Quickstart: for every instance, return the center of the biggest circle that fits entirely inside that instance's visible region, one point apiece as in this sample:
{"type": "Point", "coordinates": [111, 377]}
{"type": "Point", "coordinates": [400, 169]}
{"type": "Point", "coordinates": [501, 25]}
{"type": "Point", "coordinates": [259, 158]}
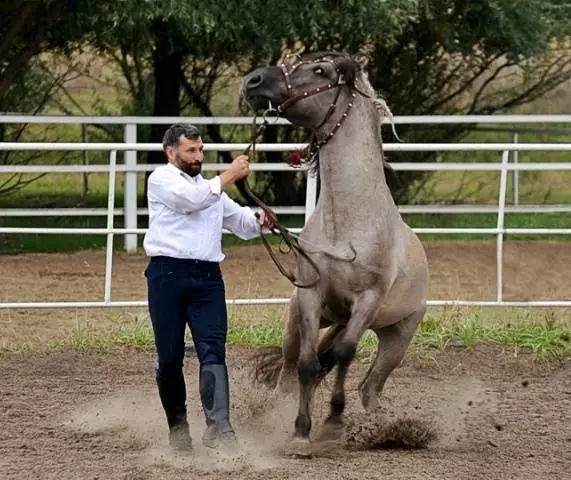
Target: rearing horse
{"type": "Point", "coordinates": [384, 287]}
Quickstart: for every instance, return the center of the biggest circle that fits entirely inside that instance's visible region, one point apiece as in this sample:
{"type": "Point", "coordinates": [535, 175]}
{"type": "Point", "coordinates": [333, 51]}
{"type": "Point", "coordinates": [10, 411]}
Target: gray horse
{"type": "Point", "coordinates": [372, 268]}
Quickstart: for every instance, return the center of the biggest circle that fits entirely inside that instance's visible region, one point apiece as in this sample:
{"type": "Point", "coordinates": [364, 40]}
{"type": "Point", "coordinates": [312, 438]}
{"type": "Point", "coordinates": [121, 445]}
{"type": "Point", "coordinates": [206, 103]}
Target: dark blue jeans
{"type": "Point", "coordinates": [186, 292]}
{"type": "Point", "coordinates": [181, 293]}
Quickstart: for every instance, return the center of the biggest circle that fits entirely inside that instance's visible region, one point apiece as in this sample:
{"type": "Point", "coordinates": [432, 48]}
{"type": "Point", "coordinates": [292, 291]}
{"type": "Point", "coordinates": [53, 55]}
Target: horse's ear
{"type": "Point", "coordinates": [347, 67]}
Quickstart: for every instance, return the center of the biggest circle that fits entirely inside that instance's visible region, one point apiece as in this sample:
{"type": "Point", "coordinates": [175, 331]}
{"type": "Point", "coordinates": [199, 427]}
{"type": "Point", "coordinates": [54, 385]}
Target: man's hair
{"type": "Point", "coordinates": [174, 132]}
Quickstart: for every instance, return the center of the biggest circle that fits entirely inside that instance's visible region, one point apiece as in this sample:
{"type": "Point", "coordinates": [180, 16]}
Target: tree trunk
{"type": "Point", "coordinates": [167, 64]}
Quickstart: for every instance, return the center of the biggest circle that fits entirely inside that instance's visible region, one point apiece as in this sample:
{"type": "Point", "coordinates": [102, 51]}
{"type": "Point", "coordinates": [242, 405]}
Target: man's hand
{"type": "Point", "coordinates": [239, 168]}
{"type": "Point", "coordinates": [264, 220]}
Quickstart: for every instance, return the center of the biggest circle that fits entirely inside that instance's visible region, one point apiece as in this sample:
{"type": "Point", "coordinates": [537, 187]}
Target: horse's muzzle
{"type": "Point", "coordinates": [261, 85]}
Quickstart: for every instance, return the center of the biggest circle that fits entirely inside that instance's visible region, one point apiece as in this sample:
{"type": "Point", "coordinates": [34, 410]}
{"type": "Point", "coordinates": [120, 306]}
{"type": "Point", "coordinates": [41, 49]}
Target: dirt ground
{"type": "Point", "coordinates": [532, 270]}
{"type": "Point", "coordinates": [90, 416]}
{"type": "Point", "coordinates": [458, 270]}
{"type": "Point", "coordinates": [97, 416]}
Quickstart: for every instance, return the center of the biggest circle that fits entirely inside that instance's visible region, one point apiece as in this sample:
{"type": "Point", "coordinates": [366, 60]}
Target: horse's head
{"type": "Point", "coordinates": [303, 88]}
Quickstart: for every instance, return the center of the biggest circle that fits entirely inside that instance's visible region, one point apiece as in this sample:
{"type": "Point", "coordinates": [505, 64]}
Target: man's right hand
{"type": "Point", "coordinates": [239, 168]}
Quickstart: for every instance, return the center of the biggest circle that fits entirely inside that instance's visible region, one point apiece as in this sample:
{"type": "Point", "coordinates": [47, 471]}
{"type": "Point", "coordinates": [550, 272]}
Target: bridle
{"type": "Point", "coordinates": [315, 145]}
{"type": "Point", "coordinates": [310, 152]}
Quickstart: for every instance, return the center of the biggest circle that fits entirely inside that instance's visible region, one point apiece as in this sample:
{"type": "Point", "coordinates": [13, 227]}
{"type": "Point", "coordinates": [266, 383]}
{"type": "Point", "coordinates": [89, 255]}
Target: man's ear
{"type": "Point", "coordinates": [170, 152]}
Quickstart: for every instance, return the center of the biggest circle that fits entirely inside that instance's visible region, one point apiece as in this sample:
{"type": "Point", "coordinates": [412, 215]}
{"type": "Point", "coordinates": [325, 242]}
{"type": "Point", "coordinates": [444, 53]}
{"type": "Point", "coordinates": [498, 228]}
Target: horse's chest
{"type": "Point", "coordinates": [344, 283]}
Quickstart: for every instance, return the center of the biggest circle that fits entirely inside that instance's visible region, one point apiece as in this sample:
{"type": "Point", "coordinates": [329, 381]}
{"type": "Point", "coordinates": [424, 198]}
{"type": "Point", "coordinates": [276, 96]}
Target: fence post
{"type": "Point", "coordinates": [310, 194]}
{"type": "Point", "coordinates": [130, 200]}
{"type": "Point", "coordinates": [500, 225]}
{"type": "Point", "coordinates": [85, 139]}
{"type": "Point", "coordinates": [110, 225]}
{"type": "Point", "coordinates": [516, 172]}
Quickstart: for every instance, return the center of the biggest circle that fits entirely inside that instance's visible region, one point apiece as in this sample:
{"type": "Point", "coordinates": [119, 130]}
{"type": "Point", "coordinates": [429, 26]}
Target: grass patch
{"type": "Point", "coordinates": [547, 337]}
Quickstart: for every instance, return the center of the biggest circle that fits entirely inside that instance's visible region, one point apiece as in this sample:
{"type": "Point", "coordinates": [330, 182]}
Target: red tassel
{"type": "Point", "coordinates": [294, 158]}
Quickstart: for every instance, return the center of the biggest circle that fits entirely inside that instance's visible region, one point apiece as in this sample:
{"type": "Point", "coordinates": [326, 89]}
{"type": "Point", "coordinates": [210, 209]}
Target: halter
{"type": "Point", "coordinates": [310, 152]}
{"type": "Point", "coordinates": [315, 145]}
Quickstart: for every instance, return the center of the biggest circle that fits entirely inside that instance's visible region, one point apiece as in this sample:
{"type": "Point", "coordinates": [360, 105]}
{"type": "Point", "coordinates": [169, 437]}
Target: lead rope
{"type": "Point", "coordinates": [277, 228]}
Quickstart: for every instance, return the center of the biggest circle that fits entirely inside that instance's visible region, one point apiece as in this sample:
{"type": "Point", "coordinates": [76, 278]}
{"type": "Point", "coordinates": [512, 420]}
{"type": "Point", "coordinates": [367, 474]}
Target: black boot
{"type": "Point", "coordinates": [214, 393]}
{"type": "Point", "coordinates": [172, 392]}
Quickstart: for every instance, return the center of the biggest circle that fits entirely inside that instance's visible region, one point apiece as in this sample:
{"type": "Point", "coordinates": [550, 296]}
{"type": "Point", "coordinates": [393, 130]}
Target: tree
{"type": "Point", "coordinates": [427, 56]}
{"type": "Point", "coordinates": [195, 48]}
{"type": "Point", "coordinates": [28, 82]}
{"type": "Point", "coordinates": [468, 57]}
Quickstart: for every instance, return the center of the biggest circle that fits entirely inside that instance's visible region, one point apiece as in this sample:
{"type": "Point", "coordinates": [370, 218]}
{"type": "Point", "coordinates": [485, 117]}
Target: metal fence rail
{"type": "Point", "coordinates": [130, 169]}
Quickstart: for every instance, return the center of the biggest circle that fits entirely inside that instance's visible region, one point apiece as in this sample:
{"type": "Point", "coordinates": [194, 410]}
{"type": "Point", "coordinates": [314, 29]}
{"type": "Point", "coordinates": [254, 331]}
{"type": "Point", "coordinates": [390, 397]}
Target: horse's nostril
{"type": "Point", "coordinates": [254, 81]}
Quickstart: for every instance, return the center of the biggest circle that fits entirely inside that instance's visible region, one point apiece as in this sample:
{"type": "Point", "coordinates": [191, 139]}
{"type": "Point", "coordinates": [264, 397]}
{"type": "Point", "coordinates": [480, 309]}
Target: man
{"type": "Point", "coordinates": [185, 286]}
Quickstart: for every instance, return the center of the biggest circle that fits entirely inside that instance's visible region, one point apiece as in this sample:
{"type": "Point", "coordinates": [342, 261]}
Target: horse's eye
{"type": "Point", "coordinates": [318, 71]}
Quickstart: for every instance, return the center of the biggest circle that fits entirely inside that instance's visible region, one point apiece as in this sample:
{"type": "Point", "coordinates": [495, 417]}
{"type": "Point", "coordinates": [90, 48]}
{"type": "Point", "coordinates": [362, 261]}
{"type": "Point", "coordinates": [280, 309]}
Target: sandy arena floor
{"type": "Point", "coordinates": [532, 270]}
{"type": "Point", "coordinates": [70, 415]}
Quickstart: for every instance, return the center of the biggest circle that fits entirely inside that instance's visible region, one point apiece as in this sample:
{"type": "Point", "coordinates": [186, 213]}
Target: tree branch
{"type": "Point", "coordinates": [213, 130]}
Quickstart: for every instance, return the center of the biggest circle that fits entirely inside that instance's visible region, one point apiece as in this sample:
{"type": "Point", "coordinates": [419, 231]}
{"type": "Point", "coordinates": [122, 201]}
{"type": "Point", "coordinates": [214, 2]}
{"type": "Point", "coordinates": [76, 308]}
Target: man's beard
{"type": "Point", "coordinates": [191, 169]}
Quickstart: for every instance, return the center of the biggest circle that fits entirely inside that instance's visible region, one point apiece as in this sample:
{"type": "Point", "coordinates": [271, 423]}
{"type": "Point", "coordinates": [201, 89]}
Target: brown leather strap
{"type": "Point", "coordinates": [296, 98]}
{"type": "Point", "coordinates": [277, 228]}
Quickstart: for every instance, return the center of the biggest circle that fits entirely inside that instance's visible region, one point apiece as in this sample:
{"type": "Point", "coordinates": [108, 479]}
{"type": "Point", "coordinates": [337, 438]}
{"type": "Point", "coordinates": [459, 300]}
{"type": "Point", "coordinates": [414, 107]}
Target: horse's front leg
{"type": "Point", "coordinates": [362, 315]}
{"type": "Point", "coordinates": [308, 367]}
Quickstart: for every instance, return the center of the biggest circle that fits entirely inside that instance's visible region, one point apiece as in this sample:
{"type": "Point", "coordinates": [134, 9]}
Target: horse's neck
{"type": "Point", "coordinates": [353, 183]}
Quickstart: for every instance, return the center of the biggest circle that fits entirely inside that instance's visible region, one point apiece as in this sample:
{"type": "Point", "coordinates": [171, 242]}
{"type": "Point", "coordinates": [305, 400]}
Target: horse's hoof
{"type": "Point", "coordinates": [299, 448]}
{"type": "Point", "coordinates": [370, 401]}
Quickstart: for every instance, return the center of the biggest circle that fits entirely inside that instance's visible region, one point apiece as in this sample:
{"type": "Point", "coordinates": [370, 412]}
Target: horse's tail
{"type": "Point", "coordinates": [268, 361]}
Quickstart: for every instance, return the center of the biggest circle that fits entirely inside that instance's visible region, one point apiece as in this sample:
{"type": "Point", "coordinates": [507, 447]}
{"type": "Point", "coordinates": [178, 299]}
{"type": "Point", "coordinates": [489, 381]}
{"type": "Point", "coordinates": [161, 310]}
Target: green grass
{"type": "Point", "coordinates": [546, 338]}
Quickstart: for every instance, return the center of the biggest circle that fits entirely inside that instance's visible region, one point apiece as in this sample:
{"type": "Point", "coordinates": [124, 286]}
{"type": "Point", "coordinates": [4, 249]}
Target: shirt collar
{"type": "Point", "coordinates": [177, 170]}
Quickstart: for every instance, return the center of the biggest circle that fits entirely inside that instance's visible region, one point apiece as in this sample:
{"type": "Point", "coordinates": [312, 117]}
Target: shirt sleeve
{"type": "Point", "coordinates": [180, 195]}
{"type": "Point", "coordinates": [241, 221]}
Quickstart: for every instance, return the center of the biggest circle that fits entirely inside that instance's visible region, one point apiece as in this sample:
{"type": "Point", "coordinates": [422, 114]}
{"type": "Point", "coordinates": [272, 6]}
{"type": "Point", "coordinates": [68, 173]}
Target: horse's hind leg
{"type": "Point", "coordinates": [287, 379]}
{"type": "Point", "coordinates": [393, 343]}
{"type": "Point", "coordinates": [308, 368]}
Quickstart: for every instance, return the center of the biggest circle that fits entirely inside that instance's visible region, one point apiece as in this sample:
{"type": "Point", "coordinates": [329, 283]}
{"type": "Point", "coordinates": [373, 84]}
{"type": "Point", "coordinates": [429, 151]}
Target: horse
{"type": "Point", "coordinates": [372, 270]}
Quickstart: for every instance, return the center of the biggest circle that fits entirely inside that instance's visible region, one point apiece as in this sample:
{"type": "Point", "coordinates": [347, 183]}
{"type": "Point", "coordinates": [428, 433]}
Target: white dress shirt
{"type": "Point", "coordinates": [187, 215]}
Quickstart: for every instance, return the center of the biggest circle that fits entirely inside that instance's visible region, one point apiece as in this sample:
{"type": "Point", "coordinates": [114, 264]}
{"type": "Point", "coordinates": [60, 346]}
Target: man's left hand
{"type": "Point", "coordinates": [264, 220]}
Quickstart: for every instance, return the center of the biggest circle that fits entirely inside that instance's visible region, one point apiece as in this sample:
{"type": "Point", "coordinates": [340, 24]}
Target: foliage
{"type": "Point", "coordinates": [427, 56]}
{"type": "Point", "coordinates": [468, 57]}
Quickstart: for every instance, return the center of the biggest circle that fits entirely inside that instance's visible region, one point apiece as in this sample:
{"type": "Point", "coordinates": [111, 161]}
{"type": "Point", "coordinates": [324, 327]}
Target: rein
{"type": "Point", "coordinates": [278, 228]}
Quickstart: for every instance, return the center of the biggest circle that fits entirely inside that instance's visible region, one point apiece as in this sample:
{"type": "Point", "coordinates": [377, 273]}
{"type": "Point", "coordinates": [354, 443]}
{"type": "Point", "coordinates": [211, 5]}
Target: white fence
{"type": "Point", "coordinates": [130, 168]}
